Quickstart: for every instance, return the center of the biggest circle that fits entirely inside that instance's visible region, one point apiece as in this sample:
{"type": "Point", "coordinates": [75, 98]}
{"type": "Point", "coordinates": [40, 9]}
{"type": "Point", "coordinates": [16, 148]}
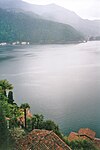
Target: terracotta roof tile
{"type": "Point", "coordinates": [42, 140]}
{"type": "Point", "coordinates": [88, 132]}
{"type": "Point", "coordinates": [83, 134]}
{"type": "Point", "coordinates": [73, 136]}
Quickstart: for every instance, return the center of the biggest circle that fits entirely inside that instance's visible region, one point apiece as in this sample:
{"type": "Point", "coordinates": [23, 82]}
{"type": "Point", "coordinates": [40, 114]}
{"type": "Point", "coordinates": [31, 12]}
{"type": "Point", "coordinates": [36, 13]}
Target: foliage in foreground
{"type": "Point", "coordinates": [10, 133]}
{"type": "Point", "coordinates": [80, 144]}
{"type": "Point", "coordinates": [11, 114]}
{"type": "Point", "coordinates": [3, 130]}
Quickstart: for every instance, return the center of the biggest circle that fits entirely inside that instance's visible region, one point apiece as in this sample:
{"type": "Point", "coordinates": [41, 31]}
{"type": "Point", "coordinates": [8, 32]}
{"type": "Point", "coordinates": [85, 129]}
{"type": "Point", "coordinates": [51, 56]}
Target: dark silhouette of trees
{"type": "Point", "coordinates": [10, 97]}
{"type": "Point", "coordinates": [3, 130]}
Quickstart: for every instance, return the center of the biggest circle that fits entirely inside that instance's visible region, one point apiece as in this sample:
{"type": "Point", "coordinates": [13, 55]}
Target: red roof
{"type": "Point", "coordinates": [42, 140]}
{"type": "Point", "coordinates": [87, 132]}
{"type": "Point", "coordinates": [83, 133]}
{"type": "Point", "coordinates": [73, 136]}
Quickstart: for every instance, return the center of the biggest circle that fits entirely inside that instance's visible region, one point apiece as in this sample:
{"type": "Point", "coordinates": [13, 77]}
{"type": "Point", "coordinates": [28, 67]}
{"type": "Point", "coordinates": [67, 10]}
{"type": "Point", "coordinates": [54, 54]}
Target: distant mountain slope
{"type": "Point", "coordinates": [15, 26]}
{"type": "Point", "coordinates": [57, 14]}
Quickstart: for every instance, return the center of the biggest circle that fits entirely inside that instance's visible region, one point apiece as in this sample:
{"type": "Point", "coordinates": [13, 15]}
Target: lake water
{"type": "Point", "coordinates": [62, 82]}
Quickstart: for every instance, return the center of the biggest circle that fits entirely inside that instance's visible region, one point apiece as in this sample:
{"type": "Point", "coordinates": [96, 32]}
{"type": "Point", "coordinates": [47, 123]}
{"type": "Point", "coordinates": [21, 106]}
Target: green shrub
{"type": "Point", "coordinates": [82, 145]}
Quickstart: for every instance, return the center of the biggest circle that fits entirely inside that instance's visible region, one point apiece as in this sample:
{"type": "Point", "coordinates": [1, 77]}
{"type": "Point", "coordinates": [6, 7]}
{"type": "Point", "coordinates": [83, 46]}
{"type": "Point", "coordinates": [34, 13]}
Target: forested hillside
{"type": "Point", "coordinates": [16, 26]}
{"type": "Point", "coordinates": [55, 13]}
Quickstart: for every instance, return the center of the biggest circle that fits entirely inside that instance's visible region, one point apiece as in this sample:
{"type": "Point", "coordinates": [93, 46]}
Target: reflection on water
{"type": "Point", "coordinates": [60, 81]}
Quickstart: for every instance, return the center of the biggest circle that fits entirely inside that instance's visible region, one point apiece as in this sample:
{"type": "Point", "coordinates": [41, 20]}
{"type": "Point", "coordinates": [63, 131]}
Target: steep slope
{"type": "Point", "coordinates": [62, 15]}
{"type": "Point", "coordinates": [15, 26]}
{"type": "Point", "coordinates": [56, 13]}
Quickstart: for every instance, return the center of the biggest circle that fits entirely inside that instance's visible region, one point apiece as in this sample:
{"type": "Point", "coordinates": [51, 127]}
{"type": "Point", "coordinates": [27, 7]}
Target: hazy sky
{"type": "Point", "coordinates": [89, 9]}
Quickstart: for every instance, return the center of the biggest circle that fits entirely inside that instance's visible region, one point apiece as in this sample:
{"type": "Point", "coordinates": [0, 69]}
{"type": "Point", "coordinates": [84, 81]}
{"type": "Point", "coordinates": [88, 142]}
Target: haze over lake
{"type": "Point", "coordinates": [62, 82]}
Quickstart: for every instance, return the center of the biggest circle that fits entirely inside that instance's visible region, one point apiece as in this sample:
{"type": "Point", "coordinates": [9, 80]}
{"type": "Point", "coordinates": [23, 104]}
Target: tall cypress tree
{"type": "Point", "coordinates": [10, 97]}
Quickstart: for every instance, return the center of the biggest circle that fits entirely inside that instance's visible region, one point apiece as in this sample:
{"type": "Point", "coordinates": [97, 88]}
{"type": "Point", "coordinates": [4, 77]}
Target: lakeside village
{"type": "Point", "coordinates": [28, 43]}
{"type": "Point", "coordinates": [91, 38]}
{"type": "Point", "coordinates": [14, 43]}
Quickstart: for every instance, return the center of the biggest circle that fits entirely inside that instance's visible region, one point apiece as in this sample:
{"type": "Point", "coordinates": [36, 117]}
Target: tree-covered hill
{"type": "Point", "coordinates": [17, 26]}
{"type": "Point", "coordinates": [55, 13]}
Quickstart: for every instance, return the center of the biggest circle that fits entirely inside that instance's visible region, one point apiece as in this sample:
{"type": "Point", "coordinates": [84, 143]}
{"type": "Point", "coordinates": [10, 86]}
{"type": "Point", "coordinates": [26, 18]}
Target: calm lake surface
{"type": "Point", "coordinates": [62, 82]}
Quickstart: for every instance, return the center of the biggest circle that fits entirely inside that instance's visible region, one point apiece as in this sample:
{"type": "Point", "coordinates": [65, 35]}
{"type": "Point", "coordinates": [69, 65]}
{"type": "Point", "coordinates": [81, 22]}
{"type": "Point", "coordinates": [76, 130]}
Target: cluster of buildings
{"type": "Point", "coordinates": [48, 140]}
{"type": "Point", "coordinates": [85, 134]}
{"type": "Point", "coordinates": [14, 43]}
